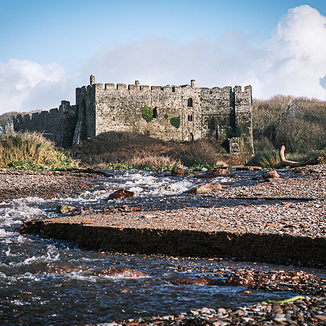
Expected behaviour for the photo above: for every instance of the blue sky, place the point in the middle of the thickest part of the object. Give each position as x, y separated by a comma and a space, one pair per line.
48, 48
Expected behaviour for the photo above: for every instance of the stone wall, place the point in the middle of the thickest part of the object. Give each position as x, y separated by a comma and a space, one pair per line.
58, 125
178, 113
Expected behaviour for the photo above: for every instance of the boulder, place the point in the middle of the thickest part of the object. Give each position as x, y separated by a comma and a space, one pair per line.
64, 209
205, 188
272, 174
121, 193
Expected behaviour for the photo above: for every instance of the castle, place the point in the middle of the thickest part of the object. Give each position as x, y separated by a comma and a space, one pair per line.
180, 113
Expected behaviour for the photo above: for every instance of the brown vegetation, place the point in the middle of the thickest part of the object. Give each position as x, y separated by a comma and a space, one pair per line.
297, 123
140, 151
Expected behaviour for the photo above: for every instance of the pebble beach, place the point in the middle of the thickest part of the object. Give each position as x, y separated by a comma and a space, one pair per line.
293, 205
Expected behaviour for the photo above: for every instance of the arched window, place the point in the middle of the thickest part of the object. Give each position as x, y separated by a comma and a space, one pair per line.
155, 113
190, 117
190, 102
191, 137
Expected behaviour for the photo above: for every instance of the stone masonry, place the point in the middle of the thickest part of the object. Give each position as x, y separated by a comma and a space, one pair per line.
180, 113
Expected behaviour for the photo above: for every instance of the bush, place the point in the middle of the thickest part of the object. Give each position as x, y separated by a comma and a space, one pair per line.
147, 113
153, 162
297, 123
126, 149
175, 122
201, 152
31, 151
266, 159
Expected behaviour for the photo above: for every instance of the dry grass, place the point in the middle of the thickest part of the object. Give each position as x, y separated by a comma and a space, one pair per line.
140, 151
31, 151
152, 162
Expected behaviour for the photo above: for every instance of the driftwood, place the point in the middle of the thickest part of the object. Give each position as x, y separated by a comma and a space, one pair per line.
285, 162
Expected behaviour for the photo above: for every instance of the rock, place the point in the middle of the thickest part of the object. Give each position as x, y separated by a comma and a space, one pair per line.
239, 312
273, 179
121, 193
177, 172
279, 317
64, 209
121, 272
272, 174
204, 188
248, 168
60, 268
218, 171
321, 317
191, 281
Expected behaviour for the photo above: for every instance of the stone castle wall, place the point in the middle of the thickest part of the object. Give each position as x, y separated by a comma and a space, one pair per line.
178, 113
58, 125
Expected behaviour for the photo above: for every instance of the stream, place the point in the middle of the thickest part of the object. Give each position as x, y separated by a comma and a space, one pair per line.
51, 282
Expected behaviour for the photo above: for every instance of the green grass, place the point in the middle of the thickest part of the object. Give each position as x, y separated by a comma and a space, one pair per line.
271, 159
266, 159
31, 151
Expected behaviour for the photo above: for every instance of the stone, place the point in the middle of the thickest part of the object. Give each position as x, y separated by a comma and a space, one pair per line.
64, 209
217, 171
239, 312
321, 317
121, 193
177, 172
272, 174
279, 317
205, 188
121, 272
191, 281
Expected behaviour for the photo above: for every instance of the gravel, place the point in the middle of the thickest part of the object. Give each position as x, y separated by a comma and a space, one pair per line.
46, 184
293, 205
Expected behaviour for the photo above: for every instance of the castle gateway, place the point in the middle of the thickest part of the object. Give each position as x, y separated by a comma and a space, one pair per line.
180, 113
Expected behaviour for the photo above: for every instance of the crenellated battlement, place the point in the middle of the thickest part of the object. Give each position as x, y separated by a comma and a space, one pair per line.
170, 112
167, 88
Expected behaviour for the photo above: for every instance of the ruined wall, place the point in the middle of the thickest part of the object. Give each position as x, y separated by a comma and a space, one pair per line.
169, 112
57, 125
243, 118
166, 112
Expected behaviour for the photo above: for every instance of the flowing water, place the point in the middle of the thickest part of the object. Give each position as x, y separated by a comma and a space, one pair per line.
50, 282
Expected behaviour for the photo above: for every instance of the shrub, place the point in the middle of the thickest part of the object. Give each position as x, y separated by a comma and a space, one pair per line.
201, 152
153, 162
126, 149
266, 159
175, 122
147, 113
33, 152
233, 131
297, 123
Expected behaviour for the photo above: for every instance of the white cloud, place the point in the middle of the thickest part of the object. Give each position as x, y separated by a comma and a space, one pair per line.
26, 85
291, 62
297, 50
